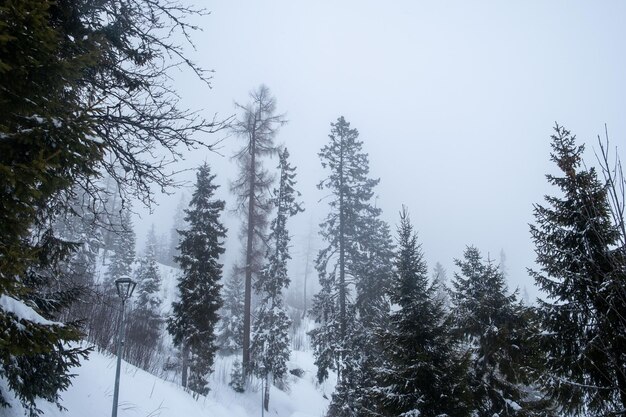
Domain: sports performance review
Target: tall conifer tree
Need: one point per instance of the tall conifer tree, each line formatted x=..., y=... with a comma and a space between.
x=81, y=80
x=354, y=272
x=123, y=245
x=195, y=315
x=582, y=270
x=423, y=373
x=43, y=152
x=500, y=337
x=258, y=125
x=230, y=327
x=270, y=340
x=145, y=321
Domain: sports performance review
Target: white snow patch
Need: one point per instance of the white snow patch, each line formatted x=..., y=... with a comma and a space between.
x=22, y=311
x=143, y=394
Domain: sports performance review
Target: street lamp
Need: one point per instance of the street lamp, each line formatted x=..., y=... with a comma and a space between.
x=125, y=287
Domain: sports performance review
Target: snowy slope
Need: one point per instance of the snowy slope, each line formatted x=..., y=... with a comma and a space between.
x=145, y=395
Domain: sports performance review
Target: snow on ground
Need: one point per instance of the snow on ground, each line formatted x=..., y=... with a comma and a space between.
x=145, y=395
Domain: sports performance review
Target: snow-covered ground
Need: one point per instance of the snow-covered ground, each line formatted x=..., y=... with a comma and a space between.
x=145, y=395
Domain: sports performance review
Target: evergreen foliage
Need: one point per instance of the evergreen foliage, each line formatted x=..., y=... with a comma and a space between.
x=352, y=397
x=80, y=225
x=84, y=89
x=44, y=149
x=179, y=224
x=195, y=315
x=582, y=270
x=270, y=339
x=230, y=328
x=423, y=372
x=500, y=337
x=374, y=269
x=440, y=281
x=148, y=282
x=123, y=246
x=355, y=273
x=346, y=228
x=145, y=322
x=237, y=382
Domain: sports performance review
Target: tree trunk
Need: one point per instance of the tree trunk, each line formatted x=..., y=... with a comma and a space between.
x=619, y=373
x=306, y=269
x=245, y=361
x=185, y=365
x=342, y=263
x=266, y=395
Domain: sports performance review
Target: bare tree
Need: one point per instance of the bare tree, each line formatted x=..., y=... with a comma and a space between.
x=257, y=125
x=613, y=173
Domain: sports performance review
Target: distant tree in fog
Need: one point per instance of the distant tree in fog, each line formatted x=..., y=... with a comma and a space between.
x=257, y=126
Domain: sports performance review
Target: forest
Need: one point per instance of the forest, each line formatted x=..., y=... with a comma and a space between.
x=94, y=129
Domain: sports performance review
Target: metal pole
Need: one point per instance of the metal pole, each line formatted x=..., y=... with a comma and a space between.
x=262, y=398
x=120, y=344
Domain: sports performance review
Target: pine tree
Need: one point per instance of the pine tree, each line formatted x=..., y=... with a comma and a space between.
x=258, y=125
x=81, y=81
x=500, y=337
x=423, y=373
x=582, y=271
x=342, y=261
x=230, y=328
x=123, y=245
x=352, y=397
x=354, y=272
x=145, y=321
x=178, y=224
x=270, y=340
x=148, y=282
x=374, y=269
x=105, y=314
x=43, y=150
x=195, y=315
x=440, y=281
x=237, y=382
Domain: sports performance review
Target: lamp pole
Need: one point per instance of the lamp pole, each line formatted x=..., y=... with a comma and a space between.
x=125, y=287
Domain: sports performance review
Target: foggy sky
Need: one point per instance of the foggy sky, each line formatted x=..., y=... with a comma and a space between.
x=454, y=101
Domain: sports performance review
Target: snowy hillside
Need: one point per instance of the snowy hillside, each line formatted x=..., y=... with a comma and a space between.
x=145, y=395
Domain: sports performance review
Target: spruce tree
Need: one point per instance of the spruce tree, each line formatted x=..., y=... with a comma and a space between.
x=85, y=87
x=171, y=251
x=270, y=340
x=43, y=150
x=148, y=281
x=423, y=372
x=581, y=269
x=145, y=322
x=123, y=246
x=195, y=315
x=338, y=264
x=374, y=269
x=440, y=281
x=354, y=273
x=230, y=327
x=258, y=125
x=499, y=335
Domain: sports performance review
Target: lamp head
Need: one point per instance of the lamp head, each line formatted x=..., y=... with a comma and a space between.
x=125, y=287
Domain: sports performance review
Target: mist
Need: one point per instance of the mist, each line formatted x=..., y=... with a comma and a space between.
x=454, y=101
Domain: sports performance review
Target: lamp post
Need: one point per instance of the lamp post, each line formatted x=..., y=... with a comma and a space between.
x=125, y=287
